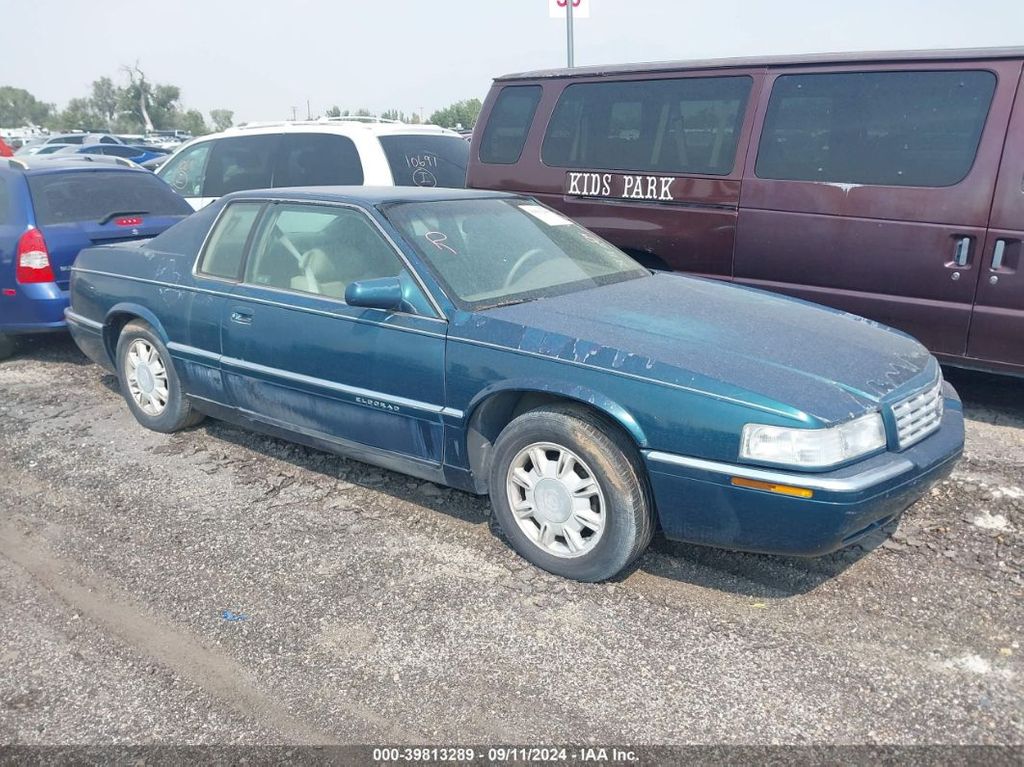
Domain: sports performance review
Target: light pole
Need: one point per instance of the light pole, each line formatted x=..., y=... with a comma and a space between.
x=568, y=32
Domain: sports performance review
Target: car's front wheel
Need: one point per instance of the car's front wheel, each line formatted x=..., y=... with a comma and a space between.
x=149, y=381
x=7, y=346
x=569, y=493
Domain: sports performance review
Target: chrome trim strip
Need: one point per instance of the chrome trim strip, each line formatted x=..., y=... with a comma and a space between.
x=623, y=374
x=78, y=319
x=195, y=351
x=340, y=388
x=852, y=484
x=267, y=302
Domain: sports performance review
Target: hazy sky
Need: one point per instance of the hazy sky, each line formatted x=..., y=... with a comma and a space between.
x=261, y=57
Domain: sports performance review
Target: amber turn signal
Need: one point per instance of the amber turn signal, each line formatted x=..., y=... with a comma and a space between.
x=771, y=487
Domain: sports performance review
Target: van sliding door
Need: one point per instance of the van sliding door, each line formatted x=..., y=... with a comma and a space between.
x=870, y=188
x=997, y=327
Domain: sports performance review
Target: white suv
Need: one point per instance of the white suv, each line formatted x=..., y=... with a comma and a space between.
x=325, y=152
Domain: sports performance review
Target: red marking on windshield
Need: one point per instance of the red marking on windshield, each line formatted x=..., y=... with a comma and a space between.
x=439, y=240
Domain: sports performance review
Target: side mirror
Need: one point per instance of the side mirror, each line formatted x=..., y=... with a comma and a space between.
x=382, y=293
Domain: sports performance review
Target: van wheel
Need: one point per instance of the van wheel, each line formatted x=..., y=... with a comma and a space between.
x=7, y=346
x=149, y=382
x=569, y=493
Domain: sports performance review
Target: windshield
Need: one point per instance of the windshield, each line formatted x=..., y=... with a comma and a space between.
x=491, y=252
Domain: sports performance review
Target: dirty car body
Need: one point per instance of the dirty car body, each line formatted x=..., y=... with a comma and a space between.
x=758, y=422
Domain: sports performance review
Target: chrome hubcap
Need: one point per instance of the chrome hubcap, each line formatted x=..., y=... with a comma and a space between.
x=556, y=500
x=147, y=377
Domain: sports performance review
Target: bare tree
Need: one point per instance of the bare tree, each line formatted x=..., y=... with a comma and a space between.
x=143, y=90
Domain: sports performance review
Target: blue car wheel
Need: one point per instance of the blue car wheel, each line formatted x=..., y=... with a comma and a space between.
x=7, y=346
x=149, y=382
x=569, y=493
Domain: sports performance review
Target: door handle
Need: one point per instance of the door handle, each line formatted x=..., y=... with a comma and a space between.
x=997, y=255
x=242, y=318
x=962, y=253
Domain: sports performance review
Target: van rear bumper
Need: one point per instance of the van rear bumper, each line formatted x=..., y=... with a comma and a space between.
x=697, y=502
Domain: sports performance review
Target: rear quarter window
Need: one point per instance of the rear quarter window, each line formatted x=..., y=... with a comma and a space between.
x=91, y=195
x=427, y=160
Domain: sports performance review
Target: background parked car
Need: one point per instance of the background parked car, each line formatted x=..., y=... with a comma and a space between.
x=316, y=153
x=51, y=208
x=137, y=154
x=888, y=185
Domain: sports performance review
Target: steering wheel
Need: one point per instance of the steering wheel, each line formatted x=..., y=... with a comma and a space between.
x=520, y=264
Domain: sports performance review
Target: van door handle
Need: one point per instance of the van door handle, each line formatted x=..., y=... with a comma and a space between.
x=963, y=251
x=242, y=318
x=997, y=255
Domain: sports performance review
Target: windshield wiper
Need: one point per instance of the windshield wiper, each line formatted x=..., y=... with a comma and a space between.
x=116, y=213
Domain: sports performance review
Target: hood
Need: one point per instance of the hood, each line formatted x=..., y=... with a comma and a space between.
x=722, y=338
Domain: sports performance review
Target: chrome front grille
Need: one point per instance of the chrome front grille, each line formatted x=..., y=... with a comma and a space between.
x=918, y=415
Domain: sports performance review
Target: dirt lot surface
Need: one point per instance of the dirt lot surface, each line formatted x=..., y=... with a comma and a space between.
x=217, y=586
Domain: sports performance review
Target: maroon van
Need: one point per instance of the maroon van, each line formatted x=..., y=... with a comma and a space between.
x=890, y=185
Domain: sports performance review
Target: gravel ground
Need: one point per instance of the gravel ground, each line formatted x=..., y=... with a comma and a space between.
x=217, y=586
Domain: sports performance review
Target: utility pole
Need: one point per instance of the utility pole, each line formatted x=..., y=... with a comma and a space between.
x=568, y=31
x=293, y=113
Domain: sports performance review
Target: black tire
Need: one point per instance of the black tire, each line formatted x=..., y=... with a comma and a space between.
x=7, y=346
x=611, y=458
x=178, y=412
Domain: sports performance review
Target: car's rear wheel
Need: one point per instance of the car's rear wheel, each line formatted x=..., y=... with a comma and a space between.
x=149, y=381
x=569, y=493
x=7, y=346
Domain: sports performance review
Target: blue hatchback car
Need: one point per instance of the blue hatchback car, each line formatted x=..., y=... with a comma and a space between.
x=51, y=208
x=484, y=341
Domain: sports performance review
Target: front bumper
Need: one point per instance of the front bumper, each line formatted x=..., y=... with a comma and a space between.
x=34, y=308
x=697, y=502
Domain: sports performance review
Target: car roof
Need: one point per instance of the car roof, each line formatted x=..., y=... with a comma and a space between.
x=343, y=126
x=32, y=164
x=368, y=195
x=865, y=57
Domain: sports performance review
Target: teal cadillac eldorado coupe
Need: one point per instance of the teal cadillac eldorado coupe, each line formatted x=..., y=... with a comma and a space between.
x=483, y=341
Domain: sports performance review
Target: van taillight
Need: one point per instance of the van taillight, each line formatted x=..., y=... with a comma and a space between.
x=33, y=264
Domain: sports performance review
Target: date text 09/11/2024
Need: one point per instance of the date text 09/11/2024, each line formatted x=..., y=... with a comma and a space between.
x=552, y=754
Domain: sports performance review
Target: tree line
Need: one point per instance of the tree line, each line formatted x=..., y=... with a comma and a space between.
x=135, y=107
x=139, y=105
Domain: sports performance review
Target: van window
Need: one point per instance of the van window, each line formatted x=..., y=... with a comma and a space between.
x=245, y=162
x=509, y=124
x=893, y=128
x=318, y=159
x=684, y=125
x=223, y=254
x=427, y=160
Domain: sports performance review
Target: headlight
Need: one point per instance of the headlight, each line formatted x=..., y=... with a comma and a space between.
x=813, y=448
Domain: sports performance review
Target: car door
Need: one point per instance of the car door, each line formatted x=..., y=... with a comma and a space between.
x=871, y=187
x=997, y=325
x=185, y=172
x=296, y=356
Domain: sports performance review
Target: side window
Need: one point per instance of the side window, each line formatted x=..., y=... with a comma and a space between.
x=226, y=247
x=184, y=172
x=5, y=202
x=682, y=125
x=892, y=128
x=509, y=124
x=317, y=159
x=235, y=164
x=319, y=250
